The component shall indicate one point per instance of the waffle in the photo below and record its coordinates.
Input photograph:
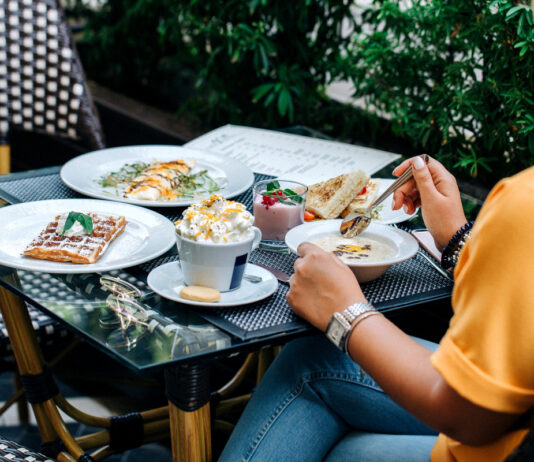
(76, 249)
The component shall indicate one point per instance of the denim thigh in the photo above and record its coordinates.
(310, 398)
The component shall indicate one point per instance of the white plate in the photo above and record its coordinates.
(83, 172)
(167, 281)
(388, 216)
(404, 245)
(147, 234)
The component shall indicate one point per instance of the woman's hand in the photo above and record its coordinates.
(321, 285)
(433, 189)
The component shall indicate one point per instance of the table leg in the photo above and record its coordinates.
(188, 392)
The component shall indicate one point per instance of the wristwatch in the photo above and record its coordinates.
(341, 324)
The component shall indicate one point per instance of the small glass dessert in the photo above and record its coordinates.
(278, 207)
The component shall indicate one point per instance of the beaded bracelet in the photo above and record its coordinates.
(450, 254)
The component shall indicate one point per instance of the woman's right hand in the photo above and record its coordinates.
(434, 189)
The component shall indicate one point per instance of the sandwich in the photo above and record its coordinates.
(329, 198)
(364, 198)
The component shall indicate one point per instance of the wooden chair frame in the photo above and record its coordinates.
(190, 431)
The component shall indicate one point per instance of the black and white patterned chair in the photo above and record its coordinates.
(14, 452)
(42, 83)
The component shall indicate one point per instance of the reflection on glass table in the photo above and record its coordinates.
(136, 324)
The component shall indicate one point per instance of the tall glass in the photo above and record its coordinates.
(278, 207)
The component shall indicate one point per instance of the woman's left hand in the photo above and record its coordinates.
(321, 285)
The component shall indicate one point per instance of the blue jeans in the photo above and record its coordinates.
(315, 404)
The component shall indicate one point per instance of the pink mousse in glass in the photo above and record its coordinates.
(278, 207)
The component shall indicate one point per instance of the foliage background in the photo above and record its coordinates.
(454, 79)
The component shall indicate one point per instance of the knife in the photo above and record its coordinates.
(280, 275)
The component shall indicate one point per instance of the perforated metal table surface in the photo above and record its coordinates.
(178, 333)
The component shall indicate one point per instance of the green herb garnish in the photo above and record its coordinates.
(124, 175)
(85, 220)
(186, 186)
(375, 214)
(274, 193)
(195, 184)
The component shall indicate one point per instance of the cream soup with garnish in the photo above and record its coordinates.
(356, 249)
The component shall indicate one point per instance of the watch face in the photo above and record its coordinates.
(336, 330)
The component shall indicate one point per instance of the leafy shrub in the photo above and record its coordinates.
(455, 79)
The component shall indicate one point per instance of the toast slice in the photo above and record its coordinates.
(329, 198)
(364, 198)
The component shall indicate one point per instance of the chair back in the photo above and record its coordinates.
(42, 84)
(14, 452)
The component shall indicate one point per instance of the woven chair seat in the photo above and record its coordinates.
(49, 331)
(14, 452)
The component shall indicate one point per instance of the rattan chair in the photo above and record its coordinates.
(42, 83)
(14, 452)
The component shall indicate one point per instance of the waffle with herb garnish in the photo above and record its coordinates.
(52, 243)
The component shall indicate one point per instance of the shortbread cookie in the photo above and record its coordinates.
(200, 294)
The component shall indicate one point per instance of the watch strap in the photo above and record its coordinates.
(356, 309)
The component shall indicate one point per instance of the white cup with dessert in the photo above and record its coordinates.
(214, 240)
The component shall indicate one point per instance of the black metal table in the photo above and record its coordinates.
(182, 341)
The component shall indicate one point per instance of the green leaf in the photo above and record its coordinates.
(273, 186)
(514, 11)
(261, 91)
(292, 195)
(85, 220)
(283, 101)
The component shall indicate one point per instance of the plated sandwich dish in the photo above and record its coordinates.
(76, 237)
(344, 194)
(341, 195)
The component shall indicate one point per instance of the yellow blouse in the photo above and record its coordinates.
(487, 354)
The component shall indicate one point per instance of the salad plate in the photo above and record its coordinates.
(107, 173)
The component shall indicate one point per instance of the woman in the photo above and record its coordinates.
(393, 397)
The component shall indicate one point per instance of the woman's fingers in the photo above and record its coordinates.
(406, 190)
(400, 169)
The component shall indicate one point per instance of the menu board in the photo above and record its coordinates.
(291, 157)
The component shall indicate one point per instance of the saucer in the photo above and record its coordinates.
(167, 280)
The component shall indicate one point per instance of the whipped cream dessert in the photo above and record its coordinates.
(216, 220)
(75, 230)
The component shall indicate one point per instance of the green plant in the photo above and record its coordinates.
(265, 63)
(454, 77)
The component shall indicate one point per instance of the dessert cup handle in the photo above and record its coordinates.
(257, 237)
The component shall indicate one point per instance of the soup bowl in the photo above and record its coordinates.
(401, 245)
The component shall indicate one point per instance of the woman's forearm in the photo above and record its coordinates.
(402, 367)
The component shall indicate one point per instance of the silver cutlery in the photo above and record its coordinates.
(356, 222)
(280, 275)
(252, 278)
(436, 266)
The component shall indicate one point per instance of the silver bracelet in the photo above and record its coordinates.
(357, 321)
(356, 309)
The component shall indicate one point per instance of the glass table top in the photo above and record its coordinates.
(153, 332)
